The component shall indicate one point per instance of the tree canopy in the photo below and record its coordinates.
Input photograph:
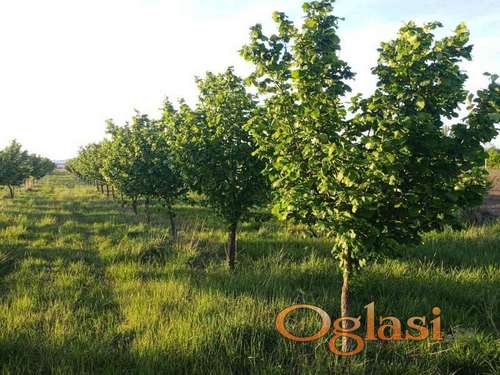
(379, 176)
(17, 165)
(216, 151)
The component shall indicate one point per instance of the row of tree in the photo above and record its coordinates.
(370, 175)
(205, 149)
(18, 167)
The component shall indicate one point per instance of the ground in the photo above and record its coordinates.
(87, 287)
(492, 202)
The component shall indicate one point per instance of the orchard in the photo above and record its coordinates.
(18, 167)
(369, 174)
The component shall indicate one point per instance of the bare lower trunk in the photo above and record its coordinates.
(134, 205)
(107, 190)
(345, 305)
(102, 188)
(11, 190)
(113, 191)
(146, 211)
(231, 246)
(173, 228)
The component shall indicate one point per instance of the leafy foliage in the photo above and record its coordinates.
(40, 166)
(215, 150)
(383, 177)
(388, 174)
(137, 161)
(88, 165)
(310, 149)
(140, 162)
(493, 158)
(16, 166)
(424, 176)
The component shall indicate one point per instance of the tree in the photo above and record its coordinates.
(217, 152)
(430, 175)
(40, 166)
(15, 166)
(382, 178)
(88, 165)
(118, 164)
(140, 163)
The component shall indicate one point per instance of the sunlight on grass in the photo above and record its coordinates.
(86, 286)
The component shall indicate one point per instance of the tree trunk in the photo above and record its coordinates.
(107, 190)
(231, 246)
(102, 188)
(146, 211)
(11, 189)
(345, 304)
(113, 191)
(134, 205)
(173, 228)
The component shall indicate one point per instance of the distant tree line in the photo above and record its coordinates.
(18, 167)
(370, 176)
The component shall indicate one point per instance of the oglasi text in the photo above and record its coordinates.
(389, 328)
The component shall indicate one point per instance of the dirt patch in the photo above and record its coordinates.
(492, 201)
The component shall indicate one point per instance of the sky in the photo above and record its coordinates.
(68, 65)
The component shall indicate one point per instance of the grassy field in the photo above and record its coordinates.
(87, 287)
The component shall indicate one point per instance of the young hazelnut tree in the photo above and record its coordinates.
(118, 166)
(388, 174)
(216, 152)
(88, 165)
(15, 166)
(140, 163)
(40, 166)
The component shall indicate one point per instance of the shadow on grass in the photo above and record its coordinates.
(451, 251)
(8, 261)
(269, 270)
(25, 354)
(90, 300)
(441, 273)
(45, 272)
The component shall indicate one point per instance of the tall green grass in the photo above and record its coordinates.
(87, 287)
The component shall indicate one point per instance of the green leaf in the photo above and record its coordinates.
(420, 103)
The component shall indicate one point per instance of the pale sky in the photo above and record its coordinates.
(68, 65)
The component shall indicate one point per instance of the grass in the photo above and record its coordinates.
(87, 287)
